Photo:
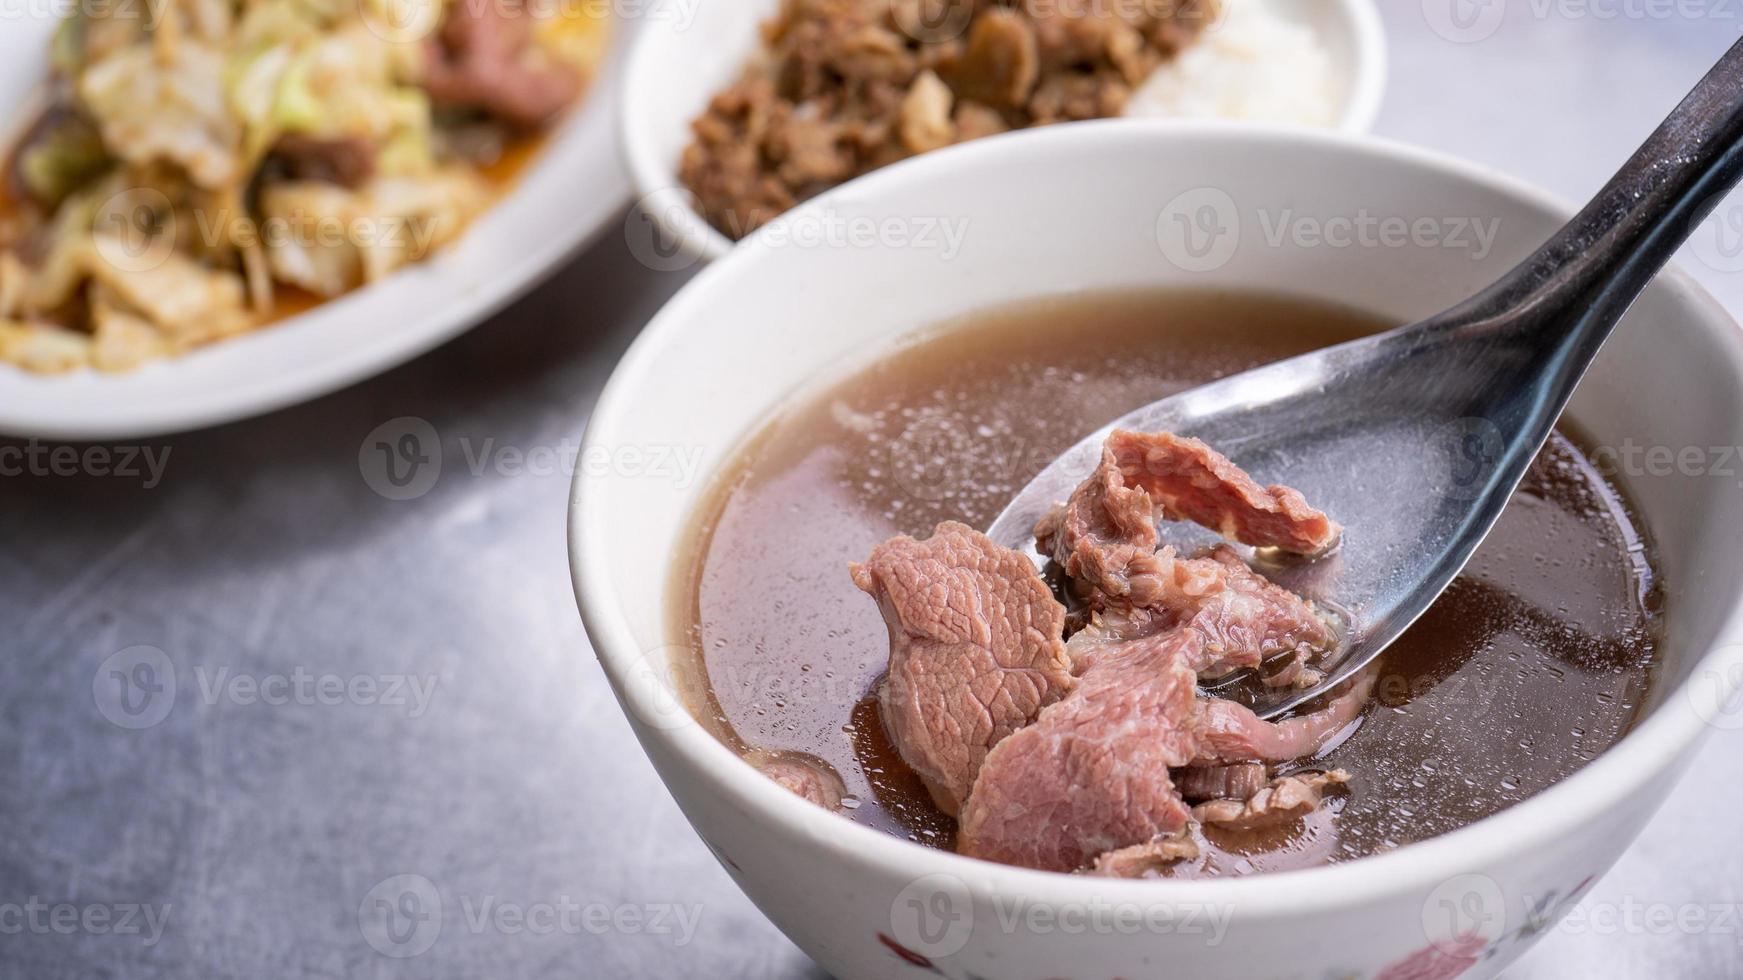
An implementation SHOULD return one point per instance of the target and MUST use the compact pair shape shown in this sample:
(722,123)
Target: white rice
(1254,64)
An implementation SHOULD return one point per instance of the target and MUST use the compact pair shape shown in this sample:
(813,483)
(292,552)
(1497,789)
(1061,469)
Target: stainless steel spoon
(1414,439)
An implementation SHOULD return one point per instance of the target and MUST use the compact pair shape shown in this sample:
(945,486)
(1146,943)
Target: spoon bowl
(1415,439)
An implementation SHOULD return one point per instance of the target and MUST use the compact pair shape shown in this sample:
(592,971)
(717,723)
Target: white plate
(713,42)
(562,201)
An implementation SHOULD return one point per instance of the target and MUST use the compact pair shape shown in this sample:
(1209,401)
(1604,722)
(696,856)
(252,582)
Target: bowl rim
(669,205)
(1669,731)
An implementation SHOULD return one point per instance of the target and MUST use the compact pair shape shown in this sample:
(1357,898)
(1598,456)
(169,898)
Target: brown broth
(1537,659)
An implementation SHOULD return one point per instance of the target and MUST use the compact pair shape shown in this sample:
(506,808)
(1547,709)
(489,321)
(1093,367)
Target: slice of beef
(1228,732)
(1285,800)
(1251,621)
(1149,858)
(976,651)
(1105,538)
(485,59)
(1245,619)
(1237,781)
(1190,481)
(1091,775)
(803,775)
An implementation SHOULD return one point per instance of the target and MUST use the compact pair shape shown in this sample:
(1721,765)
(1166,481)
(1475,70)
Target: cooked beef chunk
(976,651)
(1105,538)
(484,59)
(1143,860)
(804,775)
(1091,774)
(1252,621)
(1051,774)
(1237,781)
(1228,732)
(346,161)
(846,86)
(1190,481)
(1285,800)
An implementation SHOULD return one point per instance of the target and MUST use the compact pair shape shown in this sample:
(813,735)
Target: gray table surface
(248,832)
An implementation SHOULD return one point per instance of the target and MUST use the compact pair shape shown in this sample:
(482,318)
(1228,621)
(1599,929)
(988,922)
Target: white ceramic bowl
(1100,208)
(565,198)
(691,50)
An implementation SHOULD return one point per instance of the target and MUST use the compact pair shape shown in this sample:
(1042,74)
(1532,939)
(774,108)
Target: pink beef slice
(1228,732)
(1091,776)
(976,651)
(1188,480)
(1284,800)
(1244,619)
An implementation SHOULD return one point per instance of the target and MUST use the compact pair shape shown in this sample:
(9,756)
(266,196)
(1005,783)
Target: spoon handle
(1570,293)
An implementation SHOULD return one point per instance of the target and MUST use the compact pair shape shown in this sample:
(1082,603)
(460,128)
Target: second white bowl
(687,51)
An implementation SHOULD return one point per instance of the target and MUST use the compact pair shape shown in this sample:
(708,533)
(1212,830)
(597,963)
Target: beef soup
(1535,660)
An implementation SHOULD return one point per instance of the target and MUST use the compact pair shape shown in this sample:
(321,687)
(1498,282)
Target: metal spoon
(1414,439)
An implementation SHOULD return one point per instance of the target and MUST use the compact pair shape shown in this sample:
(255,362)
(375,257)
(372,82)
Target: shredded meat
(845,86)
(1148,858)
(975,651)
(1237,781)
(1285,800)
